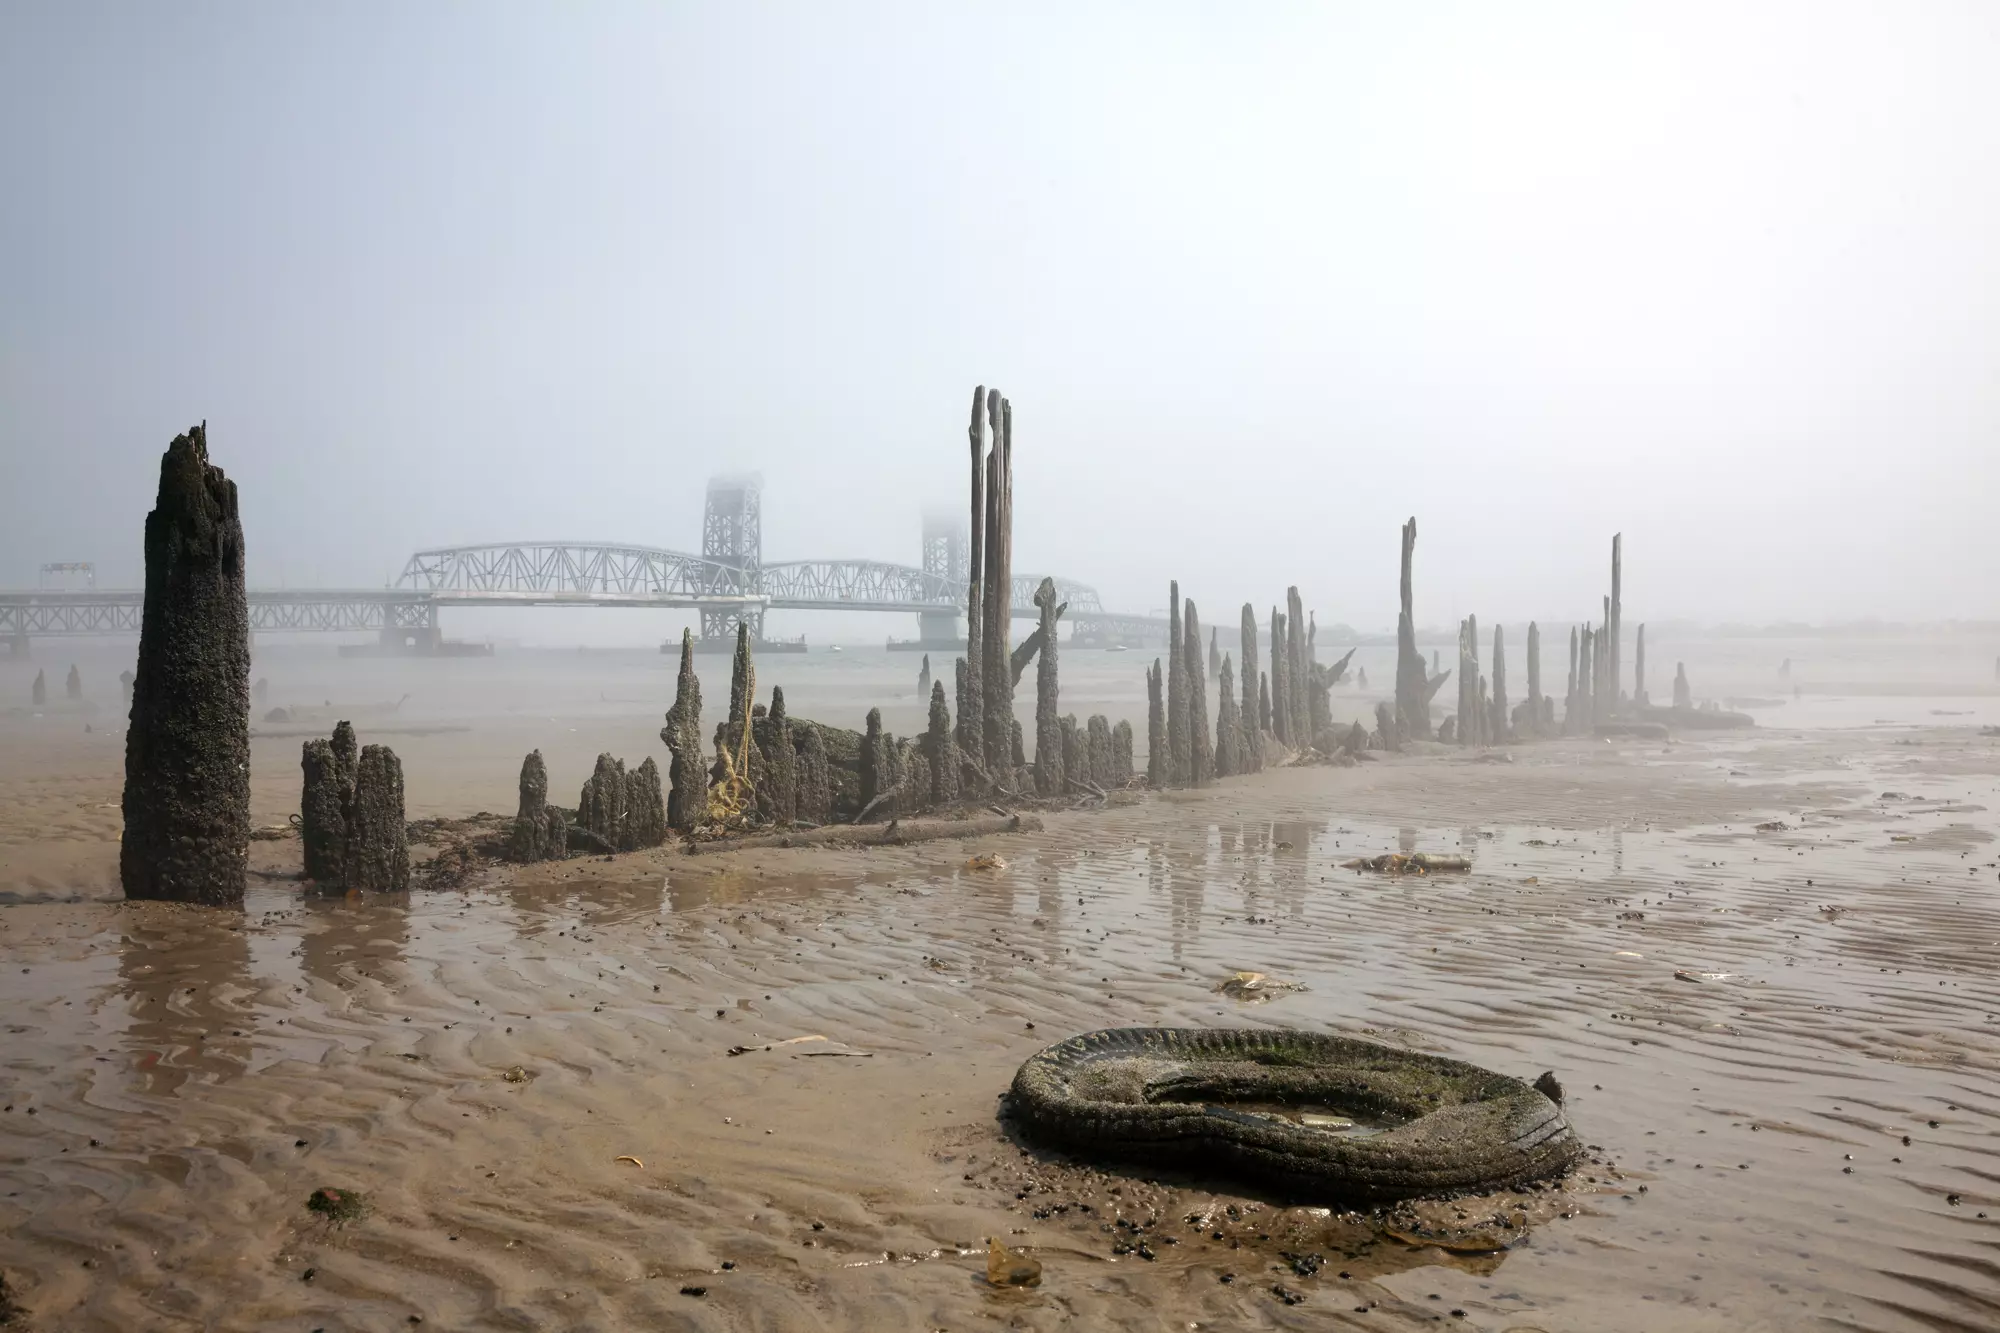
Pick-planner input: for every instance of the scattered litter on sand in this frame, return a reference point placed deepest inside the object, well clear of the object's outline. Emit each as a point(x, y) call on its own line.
point(774, 1045)
point(337, 1205)
point(1253, 987)
point(1408, 863)
point(627, 1157)
point(1774, 826)
point(517, 1075)
point(1685, 975)
point(1007, 1268)
point(986, 862)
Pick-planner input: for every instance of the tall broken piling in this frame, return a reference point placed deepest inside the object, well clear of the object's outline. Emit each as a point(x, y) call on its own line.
point(1214, 653)
point(38, 693)
point(645, 808)
point(1614, 625)
point(687, 799)
point(378, 848)
point(1157, 760)
point(813, 799)
point(1228, 724)
point(1683, 694)
point(73, 684)
point(1497, 729)
point(996, 598)
point(1534, 679)
point(924, 678)
point(971, 691)
point(1281, 693)
point(1201, 754)
point(1121, 753)
point(1265, 723)
point(1177, 702)
point(1252, 756)
point(1413, 717)
point(1639, 696)
point(187, 747)
point(1386, 728)
point(1049, 772)
point(1298, 710)
point(600, 806)
point(1097, 751)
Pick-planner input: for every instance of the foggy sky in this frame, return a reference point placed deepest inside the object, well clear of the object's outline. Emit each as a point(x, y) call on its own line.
point(1260, 281)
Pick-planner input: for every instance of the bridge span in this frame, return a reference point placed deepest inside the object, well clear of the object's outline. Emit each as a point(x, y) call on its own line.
point(728, 583)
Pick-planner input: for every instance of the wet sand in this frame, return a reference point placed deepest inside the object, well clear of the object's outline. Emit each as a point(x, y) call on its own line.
point(177, 1082)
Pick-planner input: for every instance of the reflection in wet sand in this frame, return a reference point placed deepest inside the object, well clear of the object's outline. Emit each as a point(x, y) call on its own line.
point(1752, 1121)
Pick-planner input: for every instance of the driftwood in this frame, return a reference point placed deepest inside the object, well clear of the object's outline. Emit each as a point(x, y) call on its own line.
point(896, 834)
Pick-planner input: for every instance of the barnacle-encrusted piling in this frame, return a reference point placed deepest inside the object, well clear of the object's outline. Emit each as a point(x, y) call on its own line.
point(777, 791)
point(1228, 724)
point(1049, 766)
point(187, 746)
point(323, 801)
point(687, 800)
point(1251, 749)
point(1264, 720)
point(1214, 654)
point(1281, 694)
point(1121, 753)
point(1098, 751)
point(996, 673)
point(540, 831)
point(875, 779)
point(941, 752)
point(1534, 700)
point(1499, 721)
point(1386, 728)
point(600, 806)
point(813, 795)
point(378, 848)
point(1157, 760)
point(1413, 710)
point(1075, 758)
point(1178, 747)
point(1298, 710)
point(645, 808)
point(1201, 754)
point(924, 678)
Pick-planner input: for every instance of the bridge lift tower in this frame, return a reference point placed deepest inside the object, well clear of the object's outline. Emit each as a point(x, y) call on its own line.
point(732, 536)
point(946, 556)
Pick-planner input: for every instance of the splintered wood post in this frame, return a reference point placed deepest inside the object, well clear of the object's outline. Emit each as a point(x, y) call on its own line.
point(1156, 730)
point(1298, 715)
point(1228, 723)
point(1499, 712)
point(1281, 721)
point(1534, 679)
point(1604, 688)
point(971, 693)
point(1252, 757)
point(1177, 704)
point(1586, 670)
point(1615, 619)
point(996, 671)
point(1201, 756)
point(1639, 669)
point(1049, 768)
point(187, 747)
point(1413, 712)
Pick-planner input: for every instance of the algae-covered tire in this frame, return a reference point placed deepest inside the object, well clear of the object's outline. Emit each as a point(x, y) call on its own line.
point(1178, 1096)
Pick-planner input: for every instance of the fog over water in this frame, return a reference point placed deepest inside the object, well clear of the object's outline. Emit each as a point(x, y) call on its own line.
point(1260, 283)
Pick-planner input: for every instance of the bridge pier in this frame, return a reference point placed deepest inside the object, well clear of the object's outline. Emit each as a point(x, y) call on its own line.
point(937, 631)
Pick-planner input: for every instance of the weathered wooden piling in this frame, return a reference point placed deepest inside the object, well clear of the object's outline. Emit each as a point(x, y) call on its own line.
point(996, 672)
point(1075, 757)
point(1121, 753)
point(1049, 771)
point(1214, 653)
point(73, 684)
point(38, 693)
point(1614, 624)
point(1158, 761)
point(941, 752)
point(1683, 695)
point(813, 793)
point(924, 678)
point(1639, 695)
point(1281, 694)
point(1298, 711)
point(645, 808)
point(1264, 719)
point(687, 799)
point(187, 747)
point(378, 847)
point(1201, 751)
point(972, 693)
point(1388, 733)
point(1500, 721)
point(323, 797)
point(540, 831)
point(1413, 718)
point(1100, 753)
point(1178, 750)
point(777, 790)
point(1251, 757)
point(1228, 723)
point(1534, 679)
point(600, 806)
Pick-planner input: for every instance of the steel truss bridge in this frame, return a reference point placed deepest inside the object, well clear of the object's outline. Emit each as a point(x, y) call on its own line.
point(729, 584)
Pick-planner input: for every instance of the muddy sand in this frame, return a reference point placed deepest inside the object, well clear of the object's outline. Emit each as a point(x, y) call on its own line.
point(1763, 965)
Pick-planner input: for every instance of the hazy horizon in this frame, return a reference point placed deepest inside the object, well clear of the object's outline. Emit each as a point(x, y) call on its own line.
point(1259, 282)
